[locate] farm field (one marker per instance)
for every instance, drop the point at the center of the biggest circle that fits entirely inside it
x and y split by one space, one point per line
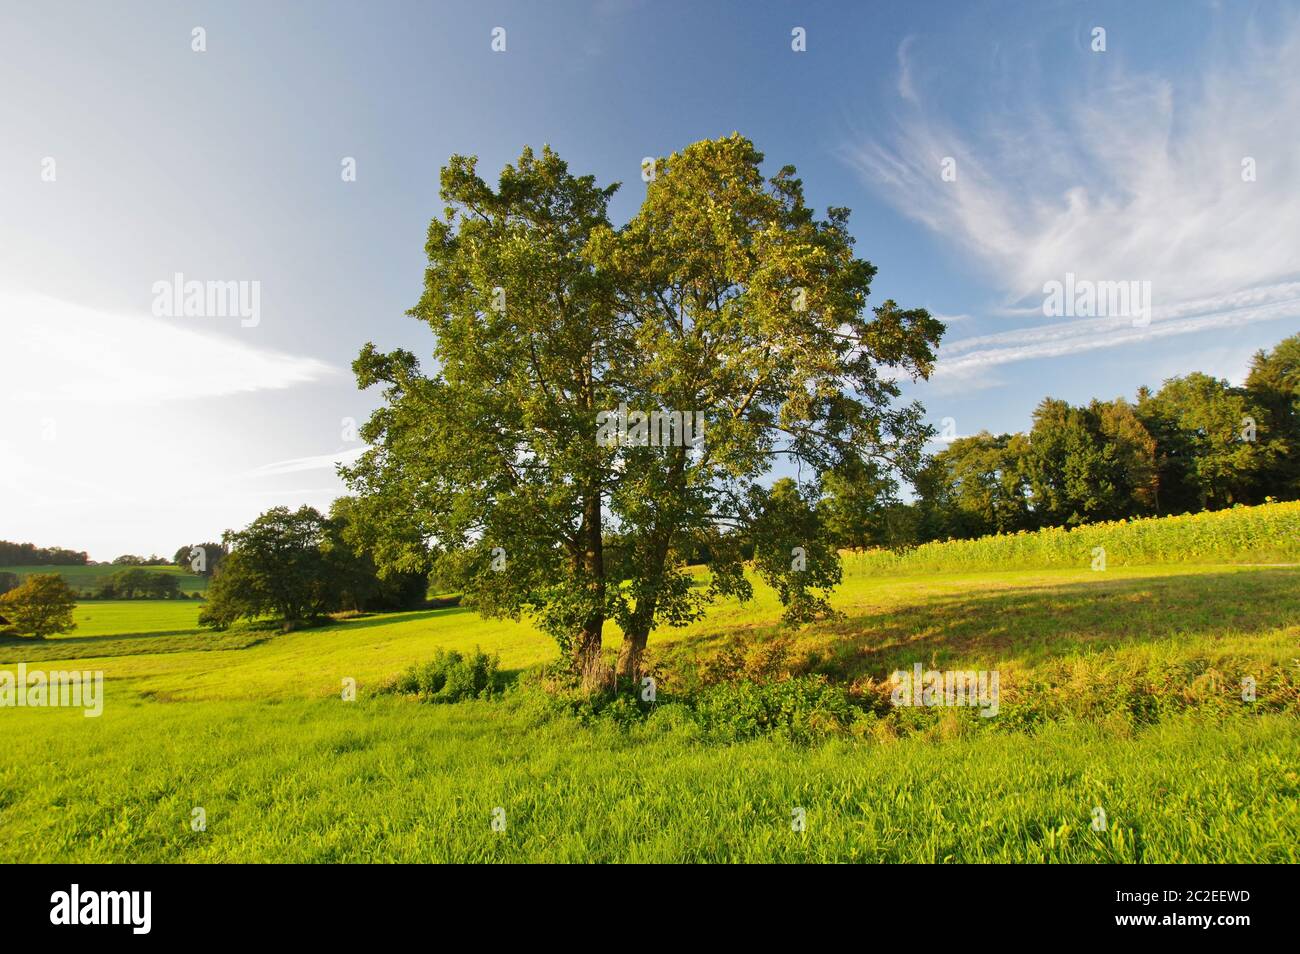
250 726
82 578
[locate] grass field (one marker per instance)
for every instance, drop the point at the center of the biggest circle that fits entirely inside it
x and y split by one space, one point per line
86 578
250 727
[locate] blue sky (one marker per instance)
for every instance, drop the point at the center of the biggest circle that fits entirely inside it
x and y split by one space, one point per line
124 431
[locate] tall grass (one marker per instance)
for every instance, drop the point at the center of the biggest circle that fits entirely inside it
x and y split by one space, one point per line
1269 533
387 780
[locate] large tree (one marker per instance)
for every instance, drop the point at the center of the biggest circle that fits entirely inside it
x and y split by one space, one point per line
1089 463
200 558
724 300
283 564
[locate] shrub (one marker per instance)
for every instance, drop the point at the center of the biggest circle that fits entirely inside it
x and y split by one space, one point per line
803 709
451 677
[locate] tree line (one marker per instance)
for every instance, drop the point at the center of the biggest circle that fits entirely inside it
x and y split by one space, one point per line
29 554
1197 443
137 583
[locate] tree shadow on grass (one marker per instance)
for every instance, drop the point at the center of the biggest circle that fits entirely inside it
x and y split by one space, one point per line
127 644
988 624
403 616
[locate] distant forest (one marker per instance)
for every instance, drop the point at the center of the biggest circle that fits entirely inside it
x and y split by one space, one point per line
29 554
1197 443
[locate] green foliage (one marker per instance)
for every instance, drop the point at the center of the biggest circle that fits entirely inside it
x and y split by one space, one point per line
301 565
802 710
1207 459
1274 384
200 558
278 566
451 677
41 606
86 579
28 554
1196 444
792 552
981 485
859 507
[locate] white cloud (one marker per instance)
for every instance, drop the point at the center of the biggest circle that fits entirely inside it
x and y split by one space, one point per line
1132 179
55 350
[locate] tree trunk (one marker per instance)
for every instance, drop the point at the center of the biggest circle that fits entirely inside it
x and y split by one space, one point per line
596 676
635 639
638 630
629 655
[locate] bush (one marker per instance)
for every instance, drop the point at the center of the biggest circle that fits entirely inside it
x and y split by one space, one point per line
804 709
451 677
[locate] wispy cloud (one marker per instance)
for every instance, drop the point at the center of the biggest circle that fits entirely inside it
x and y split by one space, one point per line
299 464
1131 178
963 364
56 350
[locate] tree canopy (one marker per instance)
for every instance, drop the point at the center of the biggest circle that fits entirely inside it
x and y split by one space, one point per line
725 301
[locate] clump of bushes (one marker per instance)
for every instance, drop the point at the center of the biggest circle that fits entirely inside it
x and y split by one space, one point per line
802 710
737 699
451 676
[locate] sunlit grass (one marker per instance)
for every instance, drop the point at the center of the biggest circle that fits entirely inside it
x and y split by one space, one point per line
252 727
388 780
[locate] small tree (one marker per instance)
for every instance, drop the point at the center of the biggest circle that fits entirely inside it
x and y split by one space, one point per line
41 606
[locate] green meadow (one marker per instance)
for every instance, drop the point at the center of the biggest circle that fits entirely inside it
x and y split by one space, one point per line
1122 692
